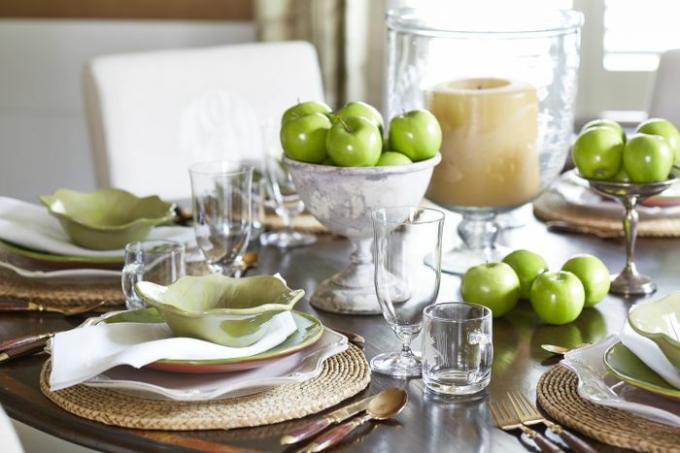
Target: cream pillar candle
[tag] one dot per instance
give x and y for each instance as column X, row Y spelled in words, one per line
column 489, row 155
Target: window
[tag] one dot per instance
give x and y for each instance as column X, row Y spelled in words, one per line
column 635, row 33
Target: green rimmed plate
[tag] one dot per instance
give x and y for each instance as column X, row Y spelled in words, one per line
column 308, row 332
column 629, row 368
column 39, row 255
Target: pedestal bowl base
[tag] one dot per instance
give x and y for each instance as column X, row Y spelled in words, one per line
column 627, row 284
column 330, row 296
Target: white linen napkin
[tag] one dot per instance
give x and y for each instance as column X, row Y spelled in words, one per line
column 32, row 226
column 651, row 354
column 85, row 352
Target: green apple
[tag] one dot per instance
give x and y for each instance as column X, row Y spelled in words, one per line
column 598, row 152
column 557, row 297
column 366, row 111
column 304, row 138
column 593, row 274
column 354, row 142
column 388, row 158
column 494, row 285
column 647, row 158
column 303, row 109
column 527, row 265
column 665, row 129
column 416, row 134
column 621, row 176
column 605, row 123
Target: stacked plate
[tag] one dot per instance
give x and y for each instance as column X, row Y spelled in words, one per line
column 299, row 358
column 639, row 370
column 41, row 242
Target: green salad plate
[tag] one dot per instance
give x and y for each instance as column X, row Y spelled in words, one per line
column 223, row 310
column 106, row 219
column 625, row 365
column 51, row 258
column 309, row 330
column 660, row 322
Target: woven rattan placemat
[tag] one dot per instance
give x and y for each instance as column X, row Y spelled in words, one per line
column 344, row 375
column 552, row 206
column 558, row 396
column 60, row 293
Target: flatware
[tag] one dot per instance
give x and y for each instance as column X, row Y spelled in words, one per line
column 560, row 226
column 339, row 415
column 22, row 341
column 248, row 261
column 23, row 350
column 385, row 405
column 17, row 305
column 354, row 338
column 507, row 420
column 529, row 415
column 62, row 273
column 561, row 350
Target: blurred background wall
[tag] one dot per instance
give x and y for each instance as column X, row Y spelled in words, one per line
column 45, row 43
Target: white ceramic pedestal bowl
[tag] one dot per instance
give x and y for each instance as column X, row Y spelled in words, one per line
column 341, row 198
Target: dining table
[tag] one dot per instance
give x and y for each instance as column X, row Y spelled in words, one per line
column 428, row 423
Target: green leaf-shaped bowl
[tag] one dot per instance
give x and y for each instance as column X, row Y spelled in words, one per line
column 106, row 219
column 224, row 310
column 660, row 322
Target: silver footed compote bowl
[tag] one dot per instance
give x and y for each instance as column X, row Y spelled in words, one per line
column 342, row 198
column 630, row 282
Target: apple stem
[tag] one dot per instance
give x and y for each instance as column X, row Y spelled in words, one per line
column 344, row 124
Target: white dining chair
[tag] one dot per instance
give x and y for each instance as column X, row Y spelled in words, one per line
column 665, row 100
column 9, row 441
column 153, row 114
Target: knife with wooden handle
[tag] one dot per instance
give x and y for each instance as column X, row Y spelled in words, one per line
column 21, row 341
column 7, row 305
column 26, row 349
column 316, row 426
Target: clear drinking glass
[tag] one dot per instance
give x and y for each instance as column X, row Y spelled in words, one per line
column 457, row 348
column 283, row 197
column 222, row 207
column 160, row 262
column 404, row 240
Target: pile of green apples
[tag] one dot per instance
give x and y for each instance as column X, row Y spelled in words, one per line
column 353, row 136
column 602, row 152
column 556, row 297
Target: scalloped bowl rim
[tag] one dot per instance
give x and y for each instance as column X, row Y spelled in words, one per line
column 368, row 171
column 657, row 335
column 47, row 200
column 296, row 295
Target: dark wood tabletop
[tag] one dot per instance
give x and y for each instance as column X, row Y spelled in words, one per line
column 428, row 423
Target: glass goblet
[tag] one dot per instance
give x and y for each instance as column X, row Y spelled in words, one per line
column 286, row 202
column 222, row 207
column 407, row 255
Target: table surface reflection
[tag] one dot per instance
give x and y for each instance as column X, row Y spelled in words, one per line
column 428, row 423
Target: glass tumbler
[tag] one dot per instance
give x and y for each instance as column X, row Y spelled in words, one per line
column 161, row 262
column 407, row 256
column 457, row 348
column 222, row 207
column 502, row 84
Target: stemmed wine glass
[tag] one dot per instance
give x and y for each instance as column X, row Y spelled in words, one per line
column 222, row 207
column 407, row 255
column 283, row 197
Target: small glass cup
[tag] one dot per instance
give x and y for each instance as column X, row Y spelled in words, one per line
column 222, row 207
column 161, row 262
column 457, row 348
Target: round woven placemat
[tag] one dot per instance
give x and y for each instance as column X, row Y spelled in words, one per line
column 55, row 293
column 558, row 396
column 552, row 206
column 344, row 375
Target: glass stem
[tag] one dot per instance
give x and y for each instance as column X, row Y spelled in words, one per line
column 406, row 350
column 630, row 221
column 478, row 230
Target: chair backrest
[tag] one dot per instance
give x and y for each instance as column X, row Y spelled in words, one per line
column 9, row 441
column 665, row 102
column 151, row 115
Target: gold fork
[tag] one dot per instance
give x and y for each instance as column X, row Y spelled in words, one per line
column 507, row 420
column 529, row 415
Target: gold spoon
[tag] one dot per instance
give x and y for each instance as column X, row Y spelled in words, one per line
column 385, row 405
column 248, row 261
column 560, row 350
